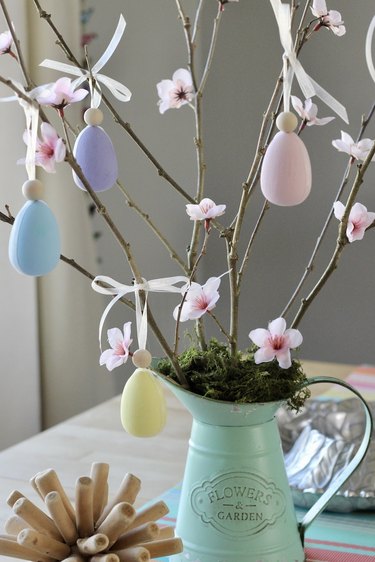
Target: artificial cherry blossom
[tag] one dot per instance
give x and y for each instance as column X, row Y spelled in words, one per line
column 357, row 150
column 199, row 299
column 205, row 210
column 176, row 92
column 328, row 18
column 275, row 342
column 49, row 150
column 59, row 94
column 358, row 221
column 5, row 43
column 223, row 2
column 308, row 112
column 119, row 352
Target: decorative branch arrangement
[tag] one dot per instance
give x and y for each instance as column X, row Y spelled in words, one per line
column 280, row 165
column 94, row 529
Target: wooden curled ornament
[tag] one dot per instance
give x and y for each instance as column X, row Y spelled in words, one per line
column 89, row 529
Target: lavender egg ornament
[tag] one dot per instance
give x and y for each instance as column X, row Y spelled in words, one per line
column 95, row 154
column 286, row 172
column 34, row 243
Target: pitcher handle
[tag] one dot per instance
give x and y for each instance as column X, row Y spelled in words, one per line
column 320, row 504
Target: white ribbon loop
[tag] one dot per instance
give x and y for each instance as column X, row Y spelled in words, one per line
column 308, row 86
column 118, row 290
column 118, row 90
column 32, row 120
column 369, row 39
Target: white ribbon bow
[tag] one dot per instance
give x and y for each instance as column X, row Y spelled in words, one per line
column 120, row 91
column 308, row 86
column 369, row 59
column 118, row 290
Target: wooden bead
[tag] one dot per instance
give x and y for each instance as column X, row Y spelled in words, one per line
column 33, row 190
column 142, row 358
column 93, row 116
column 286, row 122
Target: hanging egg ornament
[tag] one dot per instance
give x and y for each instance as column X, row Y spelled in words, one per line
column 34, row 243
column 286, row 172
column 143, row 408
column 95, row 154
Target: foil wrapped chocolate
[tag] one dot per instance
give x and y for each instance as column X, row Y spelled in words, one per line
column 318, row 444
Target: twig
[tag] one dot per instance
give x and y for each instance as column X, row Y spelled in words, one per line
column 211, row 51
column 60, row 39
column 196, row 21
column 146, row 217
column 310, row 266
column 219, row 325
column 189, row 42
column 8, row 218
column 16, row 42
column 341, row 241
column 191, row 278
column 245, row 260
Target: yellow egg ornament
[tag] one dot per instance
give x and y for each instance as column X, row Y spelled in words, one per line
column 143, row 408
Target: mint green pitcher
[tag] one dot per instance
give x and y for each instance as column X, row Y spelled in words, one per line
column 235, row 501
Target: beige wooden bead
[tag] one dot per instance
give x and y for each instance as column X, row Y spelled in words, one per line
column 33, row 190
column 93, row 116
column 142, row 358
column 286, row 122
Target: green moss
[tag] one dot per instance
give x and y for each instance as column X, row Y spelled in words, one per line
column 213, row 373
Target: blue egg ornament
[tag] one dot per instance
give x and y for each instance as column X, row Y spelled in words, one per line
column 34, row 243
column 95, row 154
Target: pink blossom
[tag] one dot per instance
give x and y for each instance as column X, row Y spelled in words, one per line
column 176, row 92
column 328, row 18
column 275, row 342
column 308, row 112
column 5, row 42
column 206, row 210
column 357, row 150
column 359, row 219
column 49, row 150
column 223, row 2
column 199, row 299
column 119, row 352
column 59, row 94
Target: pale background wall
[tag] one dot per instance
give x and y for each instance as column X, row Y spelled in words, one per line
column 340, row 325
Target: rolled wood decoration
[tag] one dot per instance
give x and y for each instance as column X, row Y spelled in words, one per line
column 92, row 530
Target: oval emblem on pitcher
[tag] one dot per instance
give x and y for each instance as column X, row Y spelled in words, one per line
column 238, row 503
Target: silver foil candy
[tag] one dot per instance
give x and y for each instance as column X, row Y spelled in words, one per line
column 318, row 444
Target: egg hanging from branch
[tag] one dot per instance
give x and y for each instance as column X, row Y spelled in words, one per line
column 34, row 243
column 143, row 408
column 286, row 171
column 95, row 154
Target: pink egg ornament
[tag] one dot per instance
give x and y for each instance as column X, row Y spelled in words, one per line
column 286, row 172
